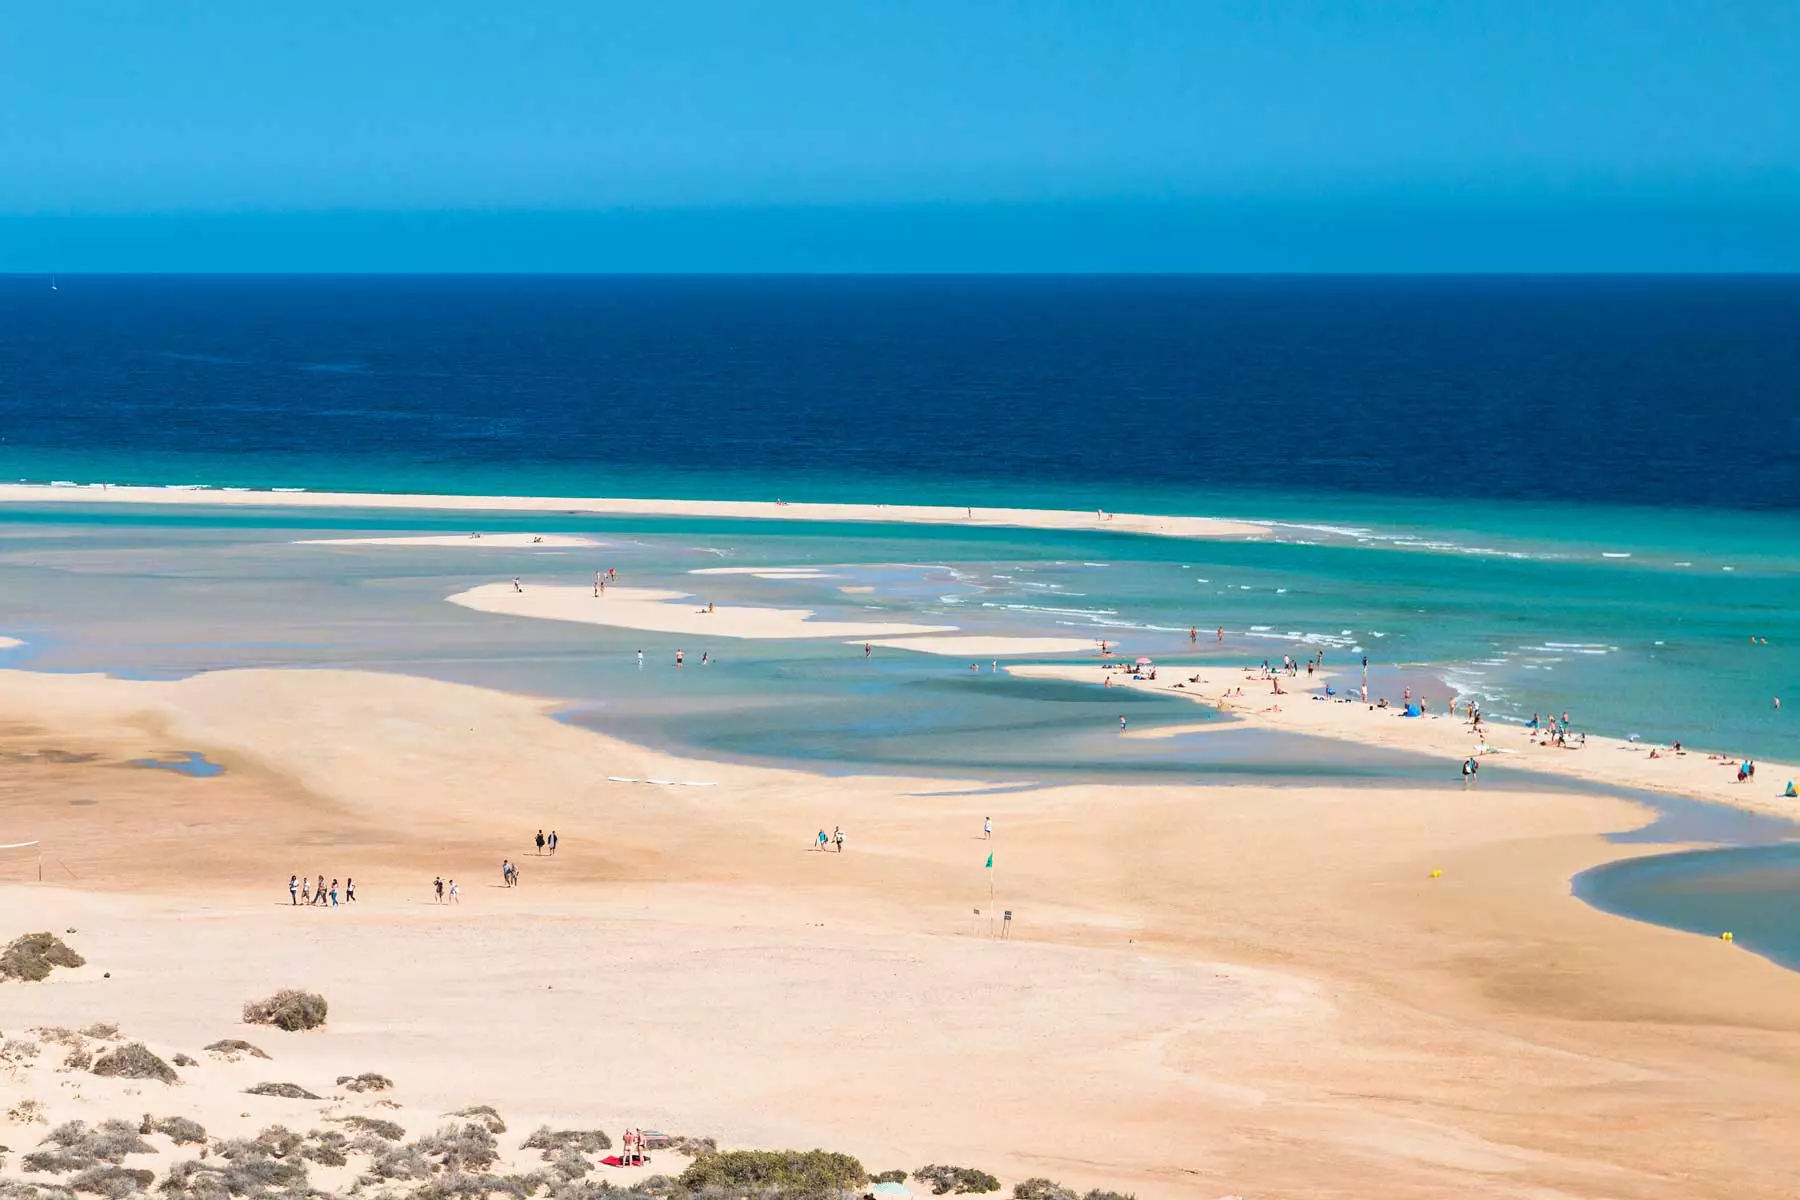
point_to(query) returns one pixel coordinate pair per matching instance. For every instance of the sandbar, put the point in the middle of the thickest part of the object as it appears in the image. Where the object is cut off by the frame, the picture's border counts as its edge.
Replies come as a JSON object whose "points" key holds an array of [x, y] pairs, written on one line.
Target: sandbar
{"points": [[980, 646], [489, 541], [764, 510], [8, 643], [657, 610], [1303, 708]]}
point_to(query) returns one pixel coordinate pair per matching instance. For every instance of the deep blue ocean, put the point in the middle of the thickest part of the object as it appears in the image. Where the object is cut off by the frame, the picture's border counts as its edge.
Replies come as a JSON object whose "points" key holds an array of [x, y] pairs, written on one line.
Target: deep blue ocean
{"points": [[1176, 393]]}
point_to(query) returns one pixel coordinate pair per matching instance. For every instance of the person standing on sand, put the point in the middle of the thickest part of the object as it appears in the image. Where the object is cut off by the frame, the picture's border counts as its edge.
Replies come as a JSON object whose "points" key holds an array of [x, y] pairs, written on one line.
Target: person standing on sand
{"points": [[455, 893], [349, 890], [306, 891], [334, 893], [987, 827], [437, 887], [294, 890], [540, 843], [517, 587], [837, 835], [553, 842], [319, 891]]}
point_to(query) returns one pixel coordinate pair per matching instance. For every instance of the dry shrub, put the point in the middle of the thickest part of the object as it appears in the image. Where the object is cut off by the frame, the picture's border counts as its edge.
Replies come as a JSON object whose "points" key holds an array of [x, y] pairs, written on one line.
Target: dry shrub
{"points": [[17, 1051], [232, 1049], [287, 1091], [74, 1146], [115, 1183], [1100, 1194], [459, 1149], [289, 1009], [134, 1061], [31, 957], [961, 1180], [558, 1141], [179, 1130], [27, 1112], [366, 1082], [889, 1177], [1042, 1189], [21, 1189], [59, 1035], [79, 1058], [484, 1114], [570, 1164], [795, 1174], [104, 1031], [387, 1131], [328, 1148]]}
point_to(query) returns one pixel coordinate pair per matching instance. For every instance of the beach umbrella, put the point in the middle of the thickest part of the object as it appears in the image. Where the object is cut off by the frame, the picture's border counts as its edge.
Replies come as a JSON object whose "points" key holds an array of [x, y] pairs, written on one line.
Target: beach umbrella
{"points": [[1143, 662]]}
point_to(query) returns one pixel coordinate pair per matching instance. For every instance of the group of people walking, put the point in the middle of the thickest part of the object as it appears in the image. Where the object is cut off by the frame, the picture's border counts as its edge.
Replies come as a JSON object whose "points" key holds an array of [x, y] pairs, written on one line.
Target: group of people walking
{"points": [[303, 891]]}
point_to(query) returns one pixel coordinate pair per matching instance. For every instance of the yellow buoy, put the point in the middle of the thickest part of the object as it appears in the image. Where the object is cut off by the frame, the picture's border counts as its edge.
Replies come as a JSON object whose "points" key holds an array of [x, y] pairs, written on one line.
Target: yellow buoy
{"points": [[1726, 937], [1437, 872]]}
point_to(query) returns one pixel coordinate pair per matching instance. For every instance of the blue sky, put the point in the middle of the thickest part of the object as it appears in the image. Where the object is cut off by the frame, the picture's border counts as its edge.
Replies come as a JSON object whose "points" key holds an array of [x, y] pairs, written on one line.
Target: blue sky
{"points": [[832, 135]]}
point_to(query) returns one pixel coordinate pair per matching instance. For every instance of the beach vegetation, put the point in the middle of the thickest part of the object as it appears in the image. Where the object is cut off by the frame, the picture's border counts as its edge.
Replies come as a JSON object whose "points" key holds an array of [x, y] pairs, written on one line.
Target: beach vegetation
{"points": [[327, 1147], [101, 1031], [26, 1189], [387, 1131], [186, 1060], [571, 1164], [790, 1174], [287, 1091], [16, 1052], [289, 1009], [895, 1176], [79, 1058], [232, 1049], [115, 1183], [179, 1130], [485, 1114], [134, 1060], [557, 1141], [960, 1180], [366, 1082], [693, 1146], [1043, 1189], [32, 956], [27, 1112], [1101, 1194], [76, 1146]]}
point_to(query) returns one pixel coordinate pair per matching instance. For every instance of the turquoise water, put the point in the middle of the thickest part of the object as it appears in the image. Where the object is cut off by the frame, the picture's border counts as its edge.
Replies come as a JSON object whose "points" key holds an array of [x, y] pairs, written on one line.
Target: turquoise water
{"points": [[188, 762], [1626, 645], [1751, 891]]}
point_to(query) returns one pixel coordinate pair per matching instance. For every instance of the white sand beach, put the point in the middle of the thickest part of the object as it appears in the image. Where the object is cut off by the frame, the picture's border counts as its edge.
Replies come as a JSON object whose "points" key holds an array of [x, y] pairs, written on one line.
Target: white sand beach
{"points": [[1237, 990], [766, 510], [1303, 708]]}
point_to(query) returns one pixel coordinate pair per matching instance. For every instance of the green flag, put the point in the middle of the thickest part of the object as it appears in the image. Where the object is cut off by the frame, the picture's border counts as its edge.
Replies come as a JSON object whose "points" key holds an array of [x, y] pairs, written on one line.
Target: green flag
{"points": [[990, 861]]}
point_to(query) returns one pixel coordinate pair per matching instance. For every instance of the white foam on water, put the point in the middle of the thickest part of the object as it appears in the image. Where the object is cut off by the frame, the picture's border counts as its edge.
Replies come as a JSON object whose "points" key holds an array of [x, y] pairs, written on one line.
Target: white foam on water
{"points": [[1613, 554]]}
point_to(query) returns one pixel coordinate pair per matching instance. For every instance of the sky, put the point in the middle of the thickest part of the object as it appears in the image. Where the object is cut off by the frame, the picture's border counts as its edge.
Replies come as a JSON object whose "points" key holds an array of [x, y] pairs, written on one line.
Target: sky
{"points": [[777, 135]]}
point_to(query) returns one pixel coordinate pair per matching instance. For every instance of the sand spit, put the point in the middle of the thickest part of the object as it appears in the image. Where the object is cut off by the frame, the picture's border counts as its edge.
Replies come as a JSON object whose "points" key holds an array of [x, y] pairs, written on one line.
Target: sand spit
{"points": [[657, 610], [910, 514]]}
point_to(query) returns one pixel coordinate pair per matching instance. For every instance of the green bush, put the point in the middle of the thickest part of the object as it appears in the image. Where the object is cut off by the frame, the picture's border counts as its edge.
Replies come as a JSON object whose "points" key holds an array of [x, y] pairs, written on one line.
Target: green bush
{"points": [[889, 1177], [289, 1009], [31, 957], [1042, 1189], [387, 1131], [961, 1180], [797, 1174], [366, 1082], [1098, 1194]]}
